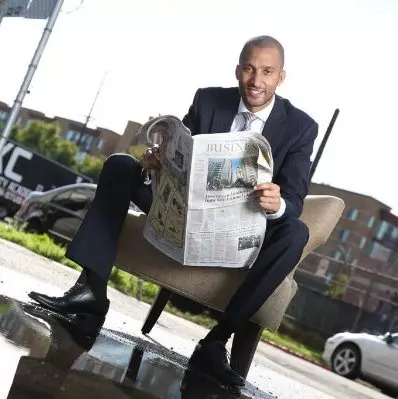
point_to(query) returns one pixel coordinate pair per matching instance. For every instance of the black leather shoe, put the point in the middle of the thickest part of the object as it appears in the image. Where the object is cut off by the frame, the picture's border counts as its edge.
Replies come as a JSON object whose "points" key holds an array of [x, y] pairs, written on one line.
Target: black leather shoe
{"points": [[79, 301], [210, 358], [199, 386]]}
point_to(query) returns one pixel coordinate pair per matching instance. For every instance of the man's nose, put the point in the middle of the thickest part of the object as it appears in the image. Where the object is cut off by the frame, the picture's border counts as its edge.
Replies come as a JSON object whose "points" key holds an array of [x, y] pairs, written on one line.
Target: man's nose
{"points": [[256, 79]]}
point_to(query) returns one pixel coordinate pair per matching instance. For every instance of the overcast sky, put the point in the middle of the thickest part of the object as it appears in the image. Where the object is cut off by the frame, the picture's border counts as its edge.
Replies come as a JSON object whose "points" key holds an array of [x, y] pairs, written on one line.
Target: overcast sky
{"points": [[339, 54]]}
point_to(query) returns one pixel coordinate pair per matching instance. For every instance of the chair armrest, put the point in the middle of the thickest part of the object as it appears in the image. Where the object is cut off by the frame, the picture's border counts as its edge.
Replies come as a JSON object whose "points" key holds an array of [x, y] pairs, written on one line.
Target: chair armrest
{"points": [[321, 214]]}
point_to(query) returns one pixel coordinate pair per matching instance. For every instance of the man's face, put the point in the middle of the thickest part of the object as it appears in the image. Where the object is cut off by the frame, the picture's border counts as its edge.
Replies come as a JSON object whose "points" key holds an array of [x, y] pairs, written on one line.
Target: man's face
{"points": [[259, 74]]}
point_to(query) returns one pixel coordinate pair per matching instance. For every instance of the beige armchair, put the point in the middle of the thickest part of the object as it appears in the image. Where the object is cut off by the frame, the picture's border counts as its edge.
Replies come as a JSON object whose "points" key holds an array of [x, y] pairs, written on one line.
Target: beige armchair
{"points": [[213, 287]]}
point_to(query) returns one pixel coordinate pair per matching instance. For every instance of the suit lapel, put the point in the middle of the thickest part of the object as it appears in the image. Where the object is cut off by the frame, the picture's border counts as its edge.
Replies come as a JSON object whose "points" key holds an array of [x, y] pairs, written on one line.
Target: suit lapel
{"points": [[275, 126], [224, 115], [222, 120]]}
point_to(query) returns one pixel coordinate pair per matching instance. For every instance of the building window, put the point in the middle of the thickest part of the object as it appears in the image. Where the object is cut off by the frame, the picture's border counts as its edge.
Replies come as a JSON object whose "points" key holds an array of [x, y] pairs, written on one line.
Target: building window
{"points": [[371, 221], [380, 252], [362, 243], [382, 230], [352, 214], [71, 135], [100, 144], [344, 235]]}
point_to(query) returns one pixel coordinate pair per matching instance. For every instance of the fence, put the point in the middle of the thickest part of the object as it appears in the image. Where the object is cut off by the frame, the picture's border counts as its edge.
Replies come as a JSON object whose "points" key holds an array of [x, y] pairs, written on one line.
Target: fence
{"points": [[335, 297]]}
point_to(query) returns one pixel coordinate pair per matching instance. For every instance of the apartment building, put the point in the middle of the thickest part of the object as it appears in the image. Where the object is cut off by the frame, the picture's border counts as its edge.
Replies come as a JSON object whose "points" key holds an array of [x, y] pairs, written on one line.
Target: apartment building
{"points": [[97, 142], [367, 233]]}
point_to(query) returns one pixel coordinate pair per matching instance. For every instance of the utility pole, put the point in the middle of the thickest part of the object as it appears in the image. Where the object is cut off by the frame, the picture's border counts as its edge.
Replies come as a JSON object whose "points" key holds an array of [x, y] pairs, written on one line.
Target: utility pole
{"points": [[2, 9], [323, 144], [30, 73], [88, 118]]}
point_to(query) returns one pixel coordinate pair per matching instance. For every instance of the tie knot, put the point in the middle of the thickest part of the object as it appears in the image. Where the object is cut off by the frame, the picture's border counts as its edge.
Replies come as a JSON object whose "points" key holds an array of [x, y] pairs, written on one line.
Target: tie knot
{"points": [[247, 119]]}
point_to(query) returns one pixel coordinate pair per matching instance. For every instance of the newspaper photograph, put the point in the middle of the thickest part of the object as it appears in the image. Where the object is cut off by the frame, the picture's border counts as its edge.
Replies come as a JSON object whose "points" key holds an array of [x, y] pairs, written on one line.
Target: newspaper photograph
{"points": [[203, 211]]}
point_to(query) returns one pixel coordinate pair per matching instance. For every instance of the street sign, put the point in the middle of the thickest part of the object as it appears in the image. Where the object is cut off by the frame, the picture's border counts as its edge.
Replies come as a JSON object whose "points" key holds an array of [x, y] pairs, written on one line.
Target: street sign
{"points": [[33, 9]]}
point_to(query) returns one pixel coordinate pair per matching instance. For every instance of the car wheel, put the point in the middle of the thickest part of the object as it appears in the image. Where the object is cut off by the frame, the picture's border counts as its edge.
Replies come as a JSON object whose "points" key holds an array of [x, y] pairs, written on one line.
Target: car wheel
{"points": [[33, 226], [346, 361]]}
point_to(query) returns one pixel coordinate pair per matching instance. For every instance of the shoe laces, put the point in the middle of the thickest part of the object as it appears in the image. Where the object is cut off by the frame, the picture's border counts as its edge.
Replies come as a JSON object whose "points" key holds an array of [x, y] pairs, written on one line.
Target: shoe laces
{"points": [[73, 289]]}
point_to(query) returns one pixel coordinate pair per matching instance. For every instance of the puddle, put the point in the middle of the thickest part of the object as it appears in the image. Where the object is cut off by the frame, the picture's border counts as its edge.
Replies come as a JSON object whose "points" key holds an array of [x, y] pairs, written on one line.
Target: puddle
{"points": [[45, 356]]}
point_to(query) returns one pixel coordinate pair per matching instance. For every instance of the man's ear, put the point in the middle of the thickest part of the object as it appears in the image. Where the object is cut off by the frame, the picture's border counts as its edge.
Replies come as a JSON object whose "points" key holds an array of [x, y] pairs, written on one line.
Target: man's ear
{"points": [[282, 77], [237, 70]]}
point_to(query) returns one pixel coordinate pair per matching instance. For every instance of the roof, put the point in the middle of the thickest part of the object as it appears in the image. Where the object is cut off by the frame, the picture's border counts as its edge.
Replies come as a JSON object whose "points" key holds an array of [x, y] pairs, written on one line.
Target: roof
{"points": [[382, 204]]}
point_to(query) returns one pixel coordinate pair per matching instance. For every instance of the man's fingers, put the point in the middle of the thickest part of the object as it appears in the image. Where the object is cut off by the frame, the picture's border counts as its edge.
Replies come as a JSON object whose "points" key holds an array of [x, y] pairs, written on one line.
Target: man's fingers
{"points": [[266, 194], [267, 187], [268, 201], [263, 186]]}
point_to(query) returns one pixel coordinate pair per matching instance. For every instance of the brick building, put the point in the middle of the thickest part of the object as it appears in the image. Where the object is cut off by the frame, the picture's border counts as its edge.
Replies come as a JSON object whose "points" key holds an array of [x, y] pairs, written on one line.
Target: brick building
{"points": [[363, 247], [97, 142]]}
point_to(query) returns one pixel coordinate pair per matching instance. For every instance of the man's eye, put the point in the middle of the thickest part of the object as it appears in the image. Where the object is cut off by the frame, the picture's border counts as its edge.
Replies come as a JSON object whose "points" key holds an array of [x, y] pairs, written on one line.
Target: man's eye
{"points": [[267, 71], [247, 69]]}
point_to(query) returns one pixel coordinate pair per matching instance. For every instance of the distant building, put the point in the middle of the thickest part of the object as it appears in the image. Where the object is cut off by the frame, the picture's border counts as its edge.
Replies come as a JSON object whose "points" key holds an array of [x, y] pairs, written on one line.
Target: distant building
{"points": [[355, 235], [129, 136], [97, 142]]}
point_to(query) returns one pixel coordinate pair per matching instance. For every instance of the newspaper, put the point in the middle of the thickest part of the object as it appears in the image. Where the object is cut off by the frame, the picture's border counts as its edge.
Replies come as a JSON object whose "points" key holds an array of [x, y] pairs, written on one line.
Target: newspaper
{"points": [[203, 211]]}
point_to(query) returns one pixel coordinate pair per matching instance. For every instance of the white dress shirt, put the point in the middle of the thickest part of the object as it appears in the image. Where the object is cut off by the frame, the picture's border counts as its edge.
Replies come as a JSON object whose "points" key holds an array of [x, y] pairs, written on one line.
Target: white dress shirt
{"points": [[258, 126]]}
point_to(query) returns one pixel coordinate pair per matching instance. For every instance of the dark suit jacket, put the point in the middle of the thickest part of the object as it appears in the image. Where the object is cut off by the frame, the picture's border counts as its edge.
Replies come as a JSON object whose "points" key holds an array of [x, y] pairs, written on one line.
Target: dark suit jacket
{"points": [[290, 132]]}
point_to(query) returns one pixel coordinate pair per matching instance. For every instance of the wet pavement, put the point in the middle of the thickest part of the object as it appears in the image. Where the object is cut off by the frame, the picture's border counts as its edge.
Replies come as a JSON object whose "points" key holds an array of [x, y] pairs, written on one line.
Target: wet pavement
{"points": [[48, 356], [275, 372]]}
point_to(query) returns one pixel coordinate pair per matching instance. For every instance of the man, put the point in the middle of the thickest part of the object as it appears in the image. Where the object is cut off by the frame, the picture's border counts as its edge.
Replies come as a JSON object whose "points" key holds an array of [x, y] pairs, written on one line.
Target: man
{"points": [[254, 106]]}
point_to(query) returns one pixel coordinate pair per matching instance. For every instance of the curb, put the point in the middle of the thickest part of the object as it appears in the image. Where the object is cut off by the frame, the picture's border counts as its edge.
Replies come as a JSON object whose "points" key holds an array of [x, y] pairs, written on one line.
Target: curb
{"points": [[290, 352]]}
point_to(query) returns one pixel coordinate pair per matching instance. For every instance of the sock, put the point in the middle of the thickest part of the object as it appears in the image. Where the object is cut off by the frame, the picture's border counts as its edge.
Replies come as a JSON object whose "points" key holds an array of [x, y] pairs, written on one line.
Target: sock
{"points": [[82, 278], [97, 285]]}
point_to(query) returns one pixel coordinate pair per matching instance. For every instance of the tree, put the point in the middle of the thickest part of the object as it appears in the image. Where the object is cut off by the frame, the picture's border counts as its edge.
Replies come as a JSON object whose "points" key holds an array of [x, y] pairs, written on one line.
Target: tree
{"points": [[137, 151], [91, 167], [45, 139]]}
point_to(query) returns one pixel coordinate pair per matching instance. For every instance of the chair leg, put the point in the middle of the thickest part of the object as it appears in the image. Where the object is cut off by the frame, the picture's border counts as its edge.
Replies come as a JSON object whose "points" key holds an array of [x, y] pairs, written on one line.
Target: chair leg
{"points": [[244, 346], [156, 310]]}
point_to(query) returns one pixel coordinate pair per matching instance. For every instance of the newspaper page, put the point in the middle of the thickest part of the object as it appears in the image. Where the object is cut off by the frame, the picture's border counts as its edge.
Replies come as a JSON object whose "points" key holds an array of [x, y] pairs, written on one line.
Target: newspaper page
{"points": [[166, 222], [203, 211], [225, 225]]}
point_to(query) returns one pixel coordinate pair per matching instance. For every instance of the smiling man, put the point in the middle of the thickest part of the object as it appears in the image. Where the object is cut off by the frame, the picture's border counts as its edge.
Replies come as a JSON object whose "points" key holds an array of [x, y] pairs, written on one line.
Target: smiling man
{"points": [[253, 106]]}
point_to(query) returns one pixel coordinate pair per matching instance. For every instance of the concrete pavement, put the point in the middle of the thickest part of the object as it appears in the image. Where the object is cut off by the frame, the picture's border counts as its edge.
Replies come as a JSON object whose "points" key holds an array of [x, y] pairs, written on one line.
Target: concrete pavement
{"points": [[273, 370]]}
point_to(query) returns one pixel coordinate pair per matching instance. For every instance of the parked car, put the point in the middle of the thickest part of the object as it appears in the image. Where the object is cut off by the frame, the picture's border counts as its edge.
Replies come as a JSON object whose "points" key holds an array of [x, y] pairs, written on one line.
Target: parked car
{"points": [[373, 358], [58, 212]]}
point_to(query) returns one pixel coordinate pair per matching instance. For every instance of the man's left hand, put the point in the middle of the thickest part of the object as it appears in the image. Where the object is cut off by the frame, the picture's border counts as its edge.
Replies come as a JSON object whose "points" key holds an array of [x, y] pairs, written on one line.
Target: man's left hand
{"points": [[268, 196]]}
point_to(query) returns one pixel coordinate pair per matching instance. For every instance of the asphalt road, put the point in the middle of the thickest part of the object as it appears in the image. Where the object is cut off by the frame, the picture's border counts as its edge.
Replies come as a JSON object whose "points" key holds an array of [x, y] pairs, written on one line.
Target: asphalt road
{"points": [[273, 371]]}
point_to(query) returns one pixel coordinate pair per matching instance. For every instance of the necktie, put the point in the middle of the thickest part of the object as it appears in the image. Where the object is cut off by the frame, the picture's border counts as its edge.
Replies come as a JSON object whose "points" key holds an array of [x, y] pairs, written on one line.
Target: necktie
{"points": [[247, 119]]}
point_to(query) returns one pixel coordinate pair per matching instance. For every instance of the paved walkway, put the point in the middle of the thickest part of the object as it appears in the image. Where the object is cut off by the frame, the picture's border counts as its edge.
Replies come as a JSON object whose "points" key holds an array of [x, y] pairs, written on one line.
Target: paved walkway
{"points": [[273, 371]]}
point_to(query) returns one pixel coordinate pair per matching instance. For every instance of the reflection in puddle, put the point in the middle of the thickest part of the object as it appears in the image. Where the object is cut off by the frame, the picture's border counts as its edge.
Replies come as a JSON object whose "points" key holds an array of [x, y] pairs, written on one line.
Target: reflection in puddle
{"points": [[46, 356]]}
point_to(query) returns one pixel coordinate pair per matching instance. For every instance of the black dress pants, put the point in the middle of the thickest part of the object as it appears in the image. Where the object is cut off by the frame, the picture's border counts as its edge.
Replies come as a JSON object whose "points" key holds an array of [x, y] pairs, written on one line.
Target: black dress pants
{"points": [[122, 180]]}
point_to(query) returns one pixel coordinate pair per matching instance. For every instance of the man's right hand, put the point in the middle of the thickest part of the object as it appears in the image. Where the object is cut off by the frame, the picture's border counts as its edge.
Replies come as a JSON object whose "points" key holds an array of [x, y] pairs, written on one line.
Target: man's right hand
{"points": [[150, 160]]}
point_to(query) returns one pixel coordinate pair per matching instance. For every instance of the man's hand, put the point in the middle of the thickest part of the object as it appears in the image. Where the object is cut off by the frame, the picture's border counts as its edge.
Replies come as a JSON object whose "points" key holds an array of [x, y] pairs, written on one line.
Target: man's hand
{"points": [[150, 159], [268, 196]]}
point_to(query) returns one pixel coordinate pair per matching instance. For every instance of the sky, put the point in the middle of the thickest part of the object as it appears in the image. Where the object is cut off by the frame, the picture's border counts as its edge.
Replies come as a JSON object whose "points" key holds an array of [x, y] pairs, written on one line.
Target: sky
{"points": [[339, 54]]}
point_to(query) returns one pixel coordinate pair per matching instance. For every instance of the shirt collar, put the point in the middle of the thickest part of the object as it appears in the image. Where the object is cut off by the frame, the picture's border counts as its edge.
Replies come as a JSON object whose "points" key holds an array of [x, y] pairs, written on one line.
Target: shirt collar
{"points": [[263, 114]]}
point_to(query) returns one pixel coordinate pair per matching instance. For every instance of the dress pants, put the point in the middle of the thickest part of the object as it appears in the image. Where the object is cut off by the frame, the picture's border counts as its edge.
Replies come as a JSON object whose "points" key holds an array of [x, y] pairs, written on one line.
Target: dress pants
{"points": [[122, 180]]}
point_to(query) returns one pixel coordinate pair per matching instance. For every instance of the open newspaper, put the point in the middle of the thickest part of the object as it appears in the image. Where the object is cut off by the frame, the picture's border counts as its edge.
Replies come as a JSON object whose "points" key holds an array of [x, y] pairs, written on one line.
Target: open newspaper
{"points": [[203, 211]]}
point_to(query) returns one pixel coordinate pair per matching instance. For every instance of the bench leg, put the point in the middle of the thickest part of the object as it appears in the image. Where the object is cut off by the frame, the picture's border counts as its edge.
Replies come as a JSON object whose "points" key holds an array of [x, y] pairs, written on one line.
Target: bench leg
{"points": [[244, 346], [156, 310]]}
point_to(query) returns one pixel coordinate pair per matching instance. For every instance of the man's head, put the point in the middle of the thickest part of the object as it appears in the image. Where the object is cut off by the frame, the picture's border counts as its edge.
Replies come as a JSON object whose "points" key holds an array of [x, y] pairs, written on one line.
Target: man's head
{"points": [[260, 71]]}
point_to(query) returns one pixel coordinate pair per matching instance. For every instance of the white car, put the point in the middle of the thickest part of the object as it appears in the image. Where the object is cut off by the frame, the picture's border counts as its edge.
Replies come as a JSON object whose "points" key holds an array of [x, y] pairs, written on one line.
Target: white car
{"points": [[372, 357]]}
